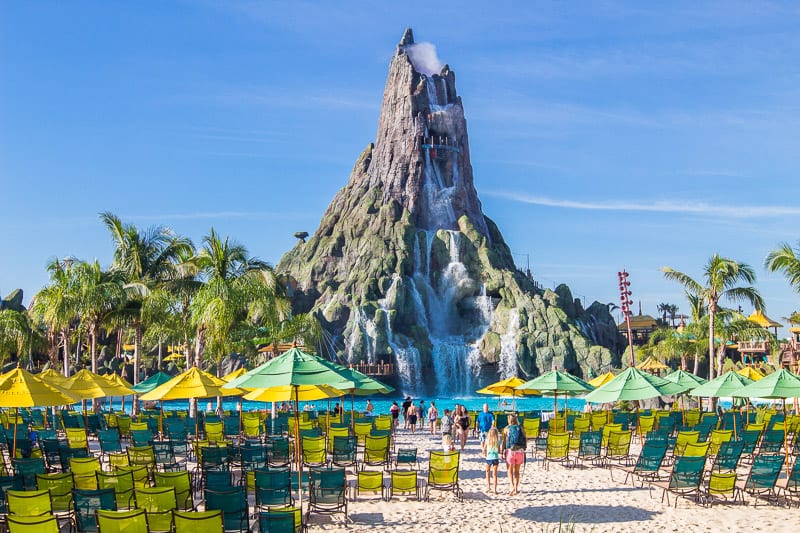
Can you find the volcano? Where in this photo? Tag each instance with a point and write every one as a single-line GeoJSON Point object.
{"type": "Point", "coordinates": [406, 269]}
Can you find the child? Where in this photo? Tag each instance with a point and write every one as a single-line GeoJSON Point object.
{"type": "Point", "coordinates": [447, 443]}
{"type": "Point", "coordinates": [491, 451]}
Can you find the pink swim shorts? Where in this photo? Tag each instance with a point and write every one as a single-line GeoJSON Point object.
{"type": "Point", "coordinates": [515, 457]}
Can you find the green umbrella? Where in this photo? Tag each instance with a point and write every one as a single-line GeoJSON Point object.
{"type": "Point", "coordinates": [632, 384]}
{"type": "Point", "coordinates": [555, 382]}
{"type": "Point", "coordinates": [687, 379]}
{"type": "Point", "coordinates": [364, 386]}
{"type": "Point", "coordinates": [728, 384]}
{"type": "Point", "coordinates": [778, 385]}
{"type": "Point", "coordinates": [151, 383]}
{"type": "Point", "coordinates": [681, 377]}
{"type": "Point", "coordinates": [294, 368]}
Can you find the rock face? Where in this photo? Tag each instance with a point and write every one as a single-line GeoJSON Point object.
{"type": "Point", "coordinates": [405, 268]}
{"type": "Point", "coordinates": [13, 301]}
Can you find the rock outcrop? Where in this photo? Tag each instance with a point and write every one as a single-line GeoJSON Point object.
{"type": "Point", "coordinates": [405, 268]}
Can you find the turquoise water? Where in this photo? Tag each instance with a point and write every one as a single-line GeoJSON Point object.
{"type": "Point", "coordinates": [383, 403]}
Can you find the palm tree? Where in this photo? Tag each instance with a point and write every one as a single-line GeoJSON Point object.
{"type": "Point", "coordinates": [233, 283]}
{"type": "Point", "coordinates": [99, 293]}
{"type": "Point", "coordinates": [721, 279]}
{"type": "Point", "coordinates": [146, 260]}
{"type": "Point", "coordinates": [786, 260]}
{"type": "Point", "coordinates": [56, 307]}
{"type": "Point", "coordinates": [17, 335]}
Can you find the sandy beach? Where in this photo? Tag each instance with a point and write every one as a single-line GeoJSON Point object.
{"type": "Point", "coordinates": [554, 499]}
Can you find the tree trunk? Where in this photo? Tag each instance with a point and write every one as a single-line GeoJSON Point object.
{"type": "Point", "coordinates": [200, 344]}
{"type": "Point", "coordinates": [712, 311]}
{"type": "Point", "coordinates": [696, 363]}
{"type": "Point", "coordinates": [720, 357]}
{"type": "Point", "coordinates": [93, 347]}
{"type": "Point", "coordinates": [137, 347]}
{"type": "Point", "coordinates": [65, 346]}
{"type": "Point", "coordinates": [683, 362]}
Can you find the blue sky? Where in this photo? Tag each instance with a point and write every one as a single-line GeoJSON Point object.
{"type": "Point", "coordinates": [603, 135]}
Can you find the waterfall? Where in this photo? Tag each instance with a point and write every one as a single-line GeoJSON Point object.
{"type": "Point", "coordinates": [409, 362]}
{"type": "Point", "coordinates": [508, 346]}
{"type": "Point", "coordinates": [366, 328]}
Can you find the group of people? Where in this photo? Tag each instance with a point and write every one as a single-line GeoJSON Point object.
{"type": "Point", "coordinates": [455, 426]}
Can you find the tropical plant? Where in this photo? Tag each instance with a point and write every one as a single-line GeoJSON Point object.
{"type": "Point", "coordinates": [785, 260]}
{"type": "Point", "coordinates": [146, 260]}
{"type": "Point", "coordinates": [233, 283]}
{"type": "Point", "coordinates": [721, 280]}
{"type": "Point", "coordinates": [17, 335]}
{"type": "Point", "coordinates": [56, 306]}
{"type": "Point", "coordinates": [98, 294]}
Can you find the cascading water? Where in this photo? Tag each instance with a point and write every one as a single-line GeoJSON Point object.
{"type": "Point", "coordinates": [365, 328]}
{"type": "Point", "coordinates": [508, 346]}
{"type": "Point", "coordinates": [409, 362]}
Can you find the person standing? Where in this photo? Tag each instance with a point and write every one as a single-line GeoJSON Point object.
{"type": "Point", "coordinates": [491, 451]}
{"type": "Point", "coordinates": [447, 429]}
{"type": "Point", "coordinates": [370, 407]}
{"type": "Point", "coordinates": [485, 422]}
{"type": "Point", "coordinates": [412, 417]}
{"type": "Point", "coordinates": [514, 444]}
{"type": "Point", "coordinates": [406, 405]}
{"type": "Point", "coordinates": [463, 424]}
{"type": "Point", "coordinates": [433, 415]}
{"type": "Point", "coordinates": [395, 411]}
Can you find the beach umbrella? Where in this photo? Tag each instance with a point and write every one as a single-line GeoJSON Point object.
{"type": "Point", "coordinates": [301, 393]}
{"type": "Point", "coordinates": [632, 385]}
{"type": "Point", "coordinates": [728, 384]}
{"type": "Point", "coordinates": [750, 373]}
{"type": "Point", "coordinates": [364, 385]}
{"type": "Point", "coordinates": [51, 376]}
{"type": "Point", "coordinates": [193, 383]}
{"type": "Point", "coordinates": [681, 377]}
{"type": "Point", "coordinates": [151, 383]}
{"type": "Point", "coordinates": [20, 388]}
{"type": "Point", "coordinates": [601, 380]}
{"type": "Point", "coordinates": [86, 385]}
{"type": "Point", "coordinates": [230, 376]}
{"type": "Point", "coordinates": [778, 385]}
{"type": "Point", "coordinates": [117, 380]}
{"type": "Point", "coordinates": [295, 368]}
{"type": "Point", "coordinates": [175, 357]}
{"type": "Point", "coordinates": [555, 382]}
{"type": "Point", "coordinates": [507, 387]}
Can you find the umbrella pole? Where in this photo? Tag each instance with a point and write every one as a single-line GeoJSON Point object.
{"type": "Point", "coordinates": [161, 418]}
{"type": "Point", "coordinates": [297, 449]}
{"type": "Point", "coordinates": [785, 437]}
{"type": "Point", "coordinates": [14, 448]}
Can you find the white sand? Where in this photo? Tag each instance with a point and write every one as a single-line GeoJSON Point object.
{"type": "Point", "coordinates": [586, 499]}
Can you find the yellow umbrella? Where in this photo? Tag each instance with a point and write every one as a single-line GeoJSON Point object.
{"type": "Point", "coordinates": [301, 393]}
{"type": "Point", "coordinates": [601, 380]}
{"type": "Point", "coordinates": [505, 387]}
{"type": "Point", "coordinates": [51, 376]}
{"type": "Point", "coordinates": [175, 357]}
{"type": "Point", "coordinates": [750, 373]}
{"type": "Point", "coordinates": [119, 381]}
{"type": "Point", "coordinates": [20, 388]}
{"type": "Point", "coordinates": [651, 364]}
{"type": "Point", "coordinates": [87, 385]}
{"type": "Point", "coordinates": [235, 374]}
{"type": "Point", "coordinates": [194, 383]}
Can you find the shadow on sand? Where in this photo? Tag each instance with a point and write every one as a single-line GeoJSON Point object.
{"type": "Point", "coordinates": [584, 514]}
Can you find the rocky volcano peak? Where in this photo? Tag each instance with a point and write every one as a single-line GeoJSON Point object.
{"type": "Point", "coordinates": [421, 155]}
{"type": "Point", "coordinates": [405, 269]}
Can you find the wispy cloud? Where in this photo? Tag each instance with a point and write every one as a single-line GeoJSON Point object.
{"type": "Point", "coordinates": [658, 206]}
{"type": "Point", "coordinates": [205, 215]}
